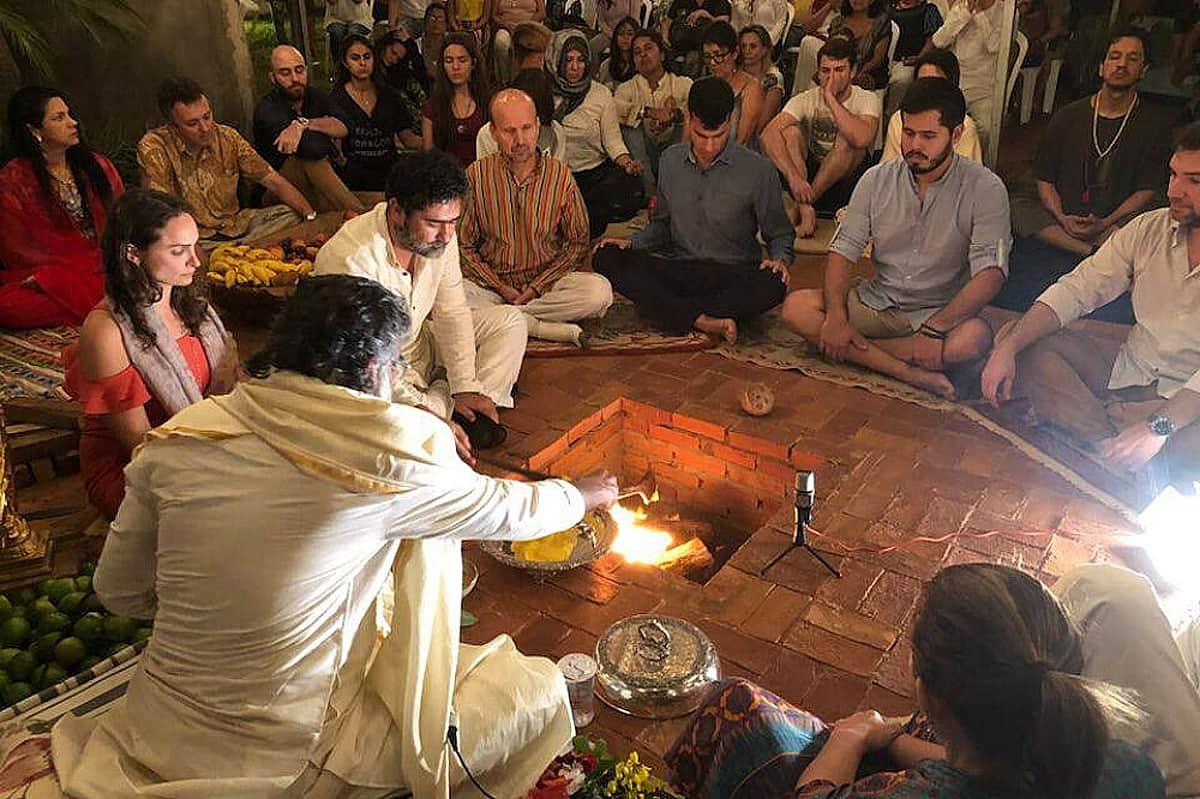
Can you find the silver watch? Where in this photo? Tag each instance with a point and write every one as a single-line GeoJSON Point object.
{"type": "Point", "coordinates": [1160, 425]}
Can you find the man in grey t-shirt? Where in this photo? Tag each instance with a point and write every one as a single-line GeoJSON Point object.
{"type": "Point", "coordinates": [939, 228]}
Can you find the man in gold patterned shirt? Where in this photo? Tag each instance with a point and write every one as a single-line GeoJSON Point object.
{"type": "Point", "coordinates": [195, 158]}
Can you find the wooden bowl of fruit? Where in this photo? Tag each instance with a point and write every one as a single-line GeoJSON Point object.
{"type": "Point", "coordinates": [250, 282]}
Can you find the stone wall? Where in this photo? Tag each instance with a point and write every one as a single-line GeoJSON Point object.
{"type": "Point", "coordinates": [112, 84]}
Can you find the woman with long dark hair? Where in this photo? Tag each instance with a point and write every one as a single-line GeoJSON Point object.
{"type": "Point", "coordinates": [458, 107]}
{"type": "Point", "coordinates": [374, 116]}
{"type": "Point", "coordinates": [152, 347]}
{"type": "Point", "coordinates": [997, 664]}
{"type": "Point", "coordinates": [618, 67]}
{"type": "Point", "coordinates": [754, 57]}
{"type": "Point", "coordinates": [720, 48]}
{"type": "Point", "coordinates": [55, 195]}
{"type": "Point", "coordinates": [402, 67]}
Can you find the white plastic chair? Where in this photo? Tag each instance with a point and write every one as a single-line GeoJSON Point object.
{"type": "Point", "coordinates": [1029, 77]}
{"type": "Point", "coordinates": [882, 93]}
{"type": "Point", "coordinates": [646, 13]}
{"type": "Point", "coordinates": [1022, 43]}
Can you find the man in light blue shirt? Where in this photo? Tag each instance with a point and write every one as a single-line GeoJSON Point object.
{"type": "Point", "coordinates": [698, 264]}
{"type": "Point", "coordinates": [939, 229]}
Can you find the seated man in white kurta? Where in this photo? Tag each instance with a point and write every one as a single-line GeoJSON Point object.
{"type": "Point", "coordinates": [259, 530]}
{"type": "Point", "coordinates": [408, 244]}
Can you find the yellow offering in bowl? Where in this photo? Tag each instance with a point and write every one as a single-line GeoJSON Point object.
{"type": "Point", "coordinates": [553, 548]}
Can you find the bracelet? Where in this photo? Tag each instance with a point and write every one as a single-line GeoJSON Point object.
{"type": "Point", "coordinates": [931, 332]}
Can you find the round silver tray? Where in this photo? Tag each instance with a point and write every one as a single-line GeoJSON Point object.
{"type": "Point", "coordinates": [655, 667]}
{"type": "Point", "coordinates": [594, 542]}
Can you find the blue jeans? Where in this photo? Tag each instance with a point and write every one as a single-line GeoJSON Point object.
{"type": "Point", "coordinates": [644, 149]}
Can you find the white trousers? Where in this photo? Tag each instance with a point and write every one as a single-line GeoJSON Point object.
{"type": "Point", "coordinates": [1127, 641]}
{"type": "Point", "coordinates": [576, 295]}
{"type": "Point", "coordinates": [502, 55]}
{"type": "Point", "coordinates": [500, 336]}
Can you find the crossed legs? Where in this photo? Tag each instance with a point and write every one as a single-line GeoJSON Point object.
{"type": "Point", "coordinates": [839, 164]}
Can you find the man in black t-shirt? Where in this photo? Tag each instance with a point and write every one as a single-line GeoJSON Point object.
{"type": "Point", "coordinates": [1102, 159]}
{"type": "Point", "coordinates": [294, 129]}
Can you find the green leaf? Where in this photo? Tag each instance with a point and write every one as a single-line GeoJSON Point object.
{"type": "Point", "coordinates": [93, 16]}
{"type": "Point", "coordinates": [468, 619]}
{"type": "Point", "coordinates": [25, 40]}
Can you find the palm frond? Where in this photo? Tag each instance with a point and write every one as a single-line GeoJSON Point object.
{"type": "Point", "coordinates": [97, 16]}
{"type": "Point", "coordinates": [25, 40]}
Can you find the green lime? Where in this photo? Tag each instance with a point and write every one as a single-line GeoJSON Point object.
{"type": "Point", "coordinates": [44, 587]}
{"type": "Point", "coordinates": [41, 606]}
{"type": "Point", "coordinates": [87, 568]}
{"type": "Point", "coordinates": [119, 646]}
{"type": "Point", "coordinates": [6, 656]}
{"type": "Point", "coordinates": [21, 666]}
{"type": "Point", "coordinates": [93, 604]}
{"type": "Point", "coordinates": [4, 681]}
{"type": "Point", "coordinates": [14, 631]}
{"type": "Point", "coordinates": [143, 634]}
{"type": "Point", "coordinates": [83, 583]}
{"type": "Point", "coordinates": [57, 589]}
{"type": "Point", "coordinates": [53, 675]}
{"type": "Point", "coordinates": [72, 603]}
{"type": "Point", "coordinates": [119, 628]}
{"type": "Point", "coordinates": [24, 596]}
{"type": "Point", "coordinates": [5, 607]}
{"type": "Point", "coordinates": [35, 677]}
{"type": "Point", "coordinates": [69, 651]}
{"type": "Point", "coordinates": [54, 622]}
{"type": "Point", "coordinates": [87, 629]}
{"type": "Point", "coordinates": [43, 648]}
{"type": "Point", "coordinates": [16, 691]}
{"type": "Point", "coordinates": [87, 663]}
{"type": "Point", "coordinates": [21, 612]}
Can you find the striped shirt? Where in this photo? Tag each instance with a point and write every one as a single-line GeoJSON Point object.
{"type": "Point", "coordinates": [522, 235]}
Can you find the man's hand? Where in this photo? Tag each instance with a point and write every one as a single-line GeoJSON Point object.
{"type": "Point", "coordinates": [630, 166]}
{"type": "Point", "coordinates": [928, 352]}
{"type": "Point", "coordinates": [827, 94]}
{"type": "Point", "coordinates": [779, 268]}
{"type": "Point", "coordinates": [837, 336]}
{"type": "Point", "coordinates": [599, 490]}
{"type": "Point", "coordinates": [802, 190]}
{"type": "Point", "coordinates": [1132, 448]}
{"type": "Point", "coordinates": [470, 403]}
{"type": "Point", "coordinates": [868, 729]}
{"type": "Point", "coordinates": [509, 294]}
{"type": "Point", "coordinates": [525, 297]}
{"type": "Point", "coordinates": [659, 114]}
{"type": "Point", "coordinates": [288, 141]}
{"type": "Point", "coordinates": [462, 443]}
{"type": "Point", "coordinates": [999, 373]}
{"type": "Point", "coordinates": [623, 244]}
{"type": "Point", "coordinates": [1077, 226]}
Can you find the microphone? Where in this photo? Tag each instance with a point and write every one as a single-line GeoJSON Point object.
{"type": "Point", "coordinates": [806, 486]}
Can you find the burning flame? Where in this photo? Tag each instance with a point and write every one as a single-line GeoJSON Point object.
{"type": "Point", "coordinates": [635, 541]}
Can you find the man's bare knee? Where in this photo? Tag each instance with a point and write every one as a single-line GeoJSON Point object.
{"type": "Point", "coordinates": [970, 340]}
{"type": "Point", "coordinates": [804, 310]}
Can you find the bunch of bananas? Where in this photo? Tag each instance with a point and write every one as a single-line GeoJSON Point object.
{"type": "Point", "coordinates": [241, 264]}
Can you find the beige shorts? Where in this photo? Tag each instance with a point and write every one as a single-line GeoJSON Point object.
{"type": "Point", "coordinates": [888, 323]}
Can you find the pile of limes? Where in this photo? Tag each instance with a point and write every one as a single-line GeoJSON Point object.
{"type": "Point", "coordinates": [55, 630]}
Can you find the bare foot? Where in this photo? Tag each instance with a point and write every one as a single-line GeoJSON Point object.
{"type": "Point", "coordinates": [724, 329]}
{"type": "Point", "coordinates": [806, 224]}
{"type": "Point", "coordinates": [933, 382]}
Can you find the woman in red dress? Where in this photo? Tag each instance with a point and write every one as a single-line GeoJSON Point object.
{"type": "Point", "coordinates": [152, 347]}
{"type": "Point", "coordinates": [54, 198]}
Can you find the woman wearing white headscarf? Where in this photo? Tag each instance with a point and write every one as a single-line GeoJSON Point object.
{"type": "Point", "coordinates": [606, 174]}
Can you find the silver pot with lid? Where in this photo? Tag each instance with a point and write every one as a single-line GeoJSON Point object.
{"type": "Point", "coordinates": [655, 666]}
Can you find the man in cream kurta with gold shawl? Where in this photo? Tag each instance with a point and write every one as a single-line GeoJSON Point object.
{"type": "Point", "coordinates": [258, 530]}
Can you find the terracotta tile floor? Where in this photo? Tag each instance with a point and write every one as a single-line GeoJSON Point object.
{"type": "Point", "coordinates": [886, 471]}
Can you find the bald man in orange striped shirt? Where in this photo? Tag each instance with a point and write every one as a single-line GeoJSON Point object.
{"type": "Point", "coordinates": [524, 231]}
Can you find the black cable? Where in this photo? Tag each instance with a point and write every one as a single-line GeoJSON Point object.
{"type": "Point", "coordinates": [452, 737]}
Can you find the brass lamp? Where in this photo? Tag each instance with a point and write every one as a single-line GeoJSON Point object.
{"type": "Point", "coordinates": [25, 552]}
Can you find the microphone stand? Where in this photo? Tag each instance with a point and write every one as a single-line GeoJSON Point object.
{"type": "Point", "coordinates": [803, 513]}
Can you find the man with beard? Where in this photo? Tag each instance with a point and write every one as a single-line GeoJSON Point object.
{"type": "Point", "coordinates": [524, 230]}
{"type": "Point", "coordinates": [938, 224]}
{"type": "Point", "coordinates": [1139, 400]}
{"type": "Point", "coordinates": [294, 129]}
{"type": "Point", "coordinates": [462, 364]}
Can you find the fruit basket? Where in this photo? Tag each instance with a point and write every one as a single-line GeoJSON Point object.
{"type": "Point", "coordinates": [58, 631]}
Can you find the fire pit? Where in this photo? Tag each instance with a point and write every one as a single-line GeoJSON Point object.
{"type": "Point", "coordinates": [714, 487]}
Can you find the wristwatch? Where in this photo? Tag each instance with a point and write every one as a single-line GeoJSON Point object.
{"type": "Point", "coordinates": [1160, 425]}
{"type": "Point", "coordinates": [310, 216]}
{"type": "Point", "coordinates": [303, 121]}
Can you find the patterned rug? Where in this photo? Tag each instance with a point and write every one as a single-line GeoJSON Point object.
{"type": "Point", "coordinates": [620, 332]}
{"type": "Point", "coordinates": [29, 362]}
{"type": "Point", "coordinates": [768, 342]}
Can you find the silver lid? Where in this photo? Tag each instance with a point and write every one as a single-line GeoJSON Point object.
{"type": "Point", "coordinates": [655, 666]}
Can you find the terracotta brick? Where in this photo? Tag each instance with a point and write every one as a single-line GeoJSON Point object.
{"type": "Point", "coordinates": [576, 641]}
{"type": "Point", "coordinates": [587, 584]}
{"type": "Point", "coordinates": [801, 458]}
{"type": "Point", "coordinates": [835, 695]}
{"type": "Point", "coordinates": [887, 703]}
{"type": "Point", "coordinates": [658, 736]}
{"type": "Point", "coordinates": [891, 598]}
{"type": "Point", "coordinates": [1003, 499]}
{"type": "Point", "coordinates": [541, 635]}
{"type": "Point", "coordinates": [733, 646]}
{"type": "Point", "coordinates": [854, 585]}
{"type": "Point", "coordinates": [759, 481]}
{"type": "Point", "coordinates": [776, 614]}
{"type": "Point", "coordinates": [845, 424]}
{"type": "Point", "coordinates": [781, 471]}
{"type": "Point", "coordinates": [943, 516]}
{"type": "Point", "coordinates": [791, 676]}
{"type": "Point", "coordinates": [595, 619]}
{"type": "Point", "coordinates": [668, 474]}
{"type": "Point", "coordinates": [710, 430]}
{"type": "Point", "coordinates": [678, 438]}
{"type": "Point", "coordinates": [730, 455]}
{"type": "Point", "coordinates": [733, 596]}
{"type": "Point", "coordinates": [895, 673]}
{"type": "Point", "coordinates": [645, 412]}
{"type": "Point", "coordinates": [703, 465]}
{"type": "Point", "coordinates": [833, 650]}
{"type": "Point", "coordinates": [848, 624]}
{"type": "Point", "coordinates": [1065, 554]}
{"type": "Point", "coordinates": [761, 547]}
{"type": "Point", "coordinates": [554, 448]}
{"type": "Point", "coordinates": [759, 446]}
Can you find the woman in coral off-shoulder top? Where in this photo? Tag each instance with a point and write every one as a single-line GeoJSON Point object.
{"type": "Point", "coordinates": [54, 197]}
{"type": "Point", "coordinates": [152, 347]}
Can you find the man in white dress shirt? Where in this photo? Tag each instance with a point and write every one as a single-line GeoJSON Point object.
{"type": "Point", "coordinates": [461, 361]}
{"type": "Point", "coordinates": [259, 531]}
{"type": "Point", "coordinates": [1139, 400]}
